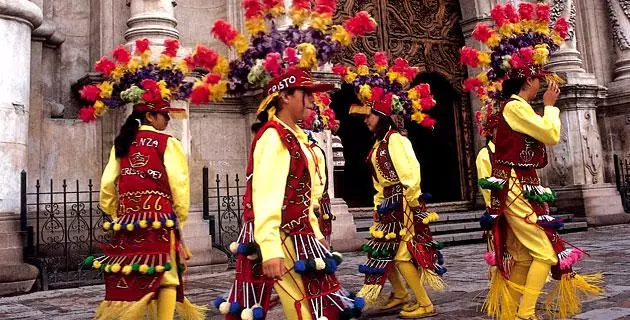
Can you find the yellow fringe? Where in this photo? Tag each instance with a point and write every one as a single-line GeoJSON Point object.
{"type": "Point", "coordinates": [430, 278]}
{"type": "Point", "coordinates": [370, 292]}
{"type": "Point", "coordinates": [134, 310]}
{"type": "Point", "coordinates": [565, 300]}
{"type": "Point", "coordinates": [189, 311]}
{"type": "Point", "coordinates": [499, 303]}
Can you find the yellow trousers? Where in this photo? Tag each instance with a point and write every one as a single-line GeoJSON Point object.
{"type": "Point", "coordinates": [411, 275]}
{"type": "Point", "coordinates": [290, 288]}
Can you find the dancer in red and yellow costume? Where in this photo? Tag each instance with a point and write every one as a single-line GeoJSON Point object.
{"type": "Point", "coordinates": [523, 244]}
{"type": "Point", "coordinates": [281, 246]}
{"type": "Point", "coordinates": [401, 238]}
{"type": "Point", "coordinates": [145, 186]}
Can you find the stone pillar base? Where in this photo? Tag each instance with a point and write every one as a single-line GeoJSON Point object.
{"type": "Point", "coordinates": [599, 204]}
{"type": "Point", "coordinates": [344, 236]}
{"type": "Point", "coordinates": [16, 277]}
{"type": "Point", "coordinates": [199, 241]}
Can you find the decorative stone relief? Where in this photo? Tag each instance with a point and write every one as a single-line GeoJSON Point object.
{"type": "Point", "coordinates": [560, 157]}
{"type": "Point", "coordinates": [560, 8]}
{"type": "Point", "coordinates": [618, 33]}
{"type": "Point", "coordinates": [592, 161]}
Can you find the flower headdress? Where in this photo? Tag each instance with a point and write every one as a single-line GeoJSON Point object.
{"type": "Point", "coordinates": [151, 85]}
{"type": "Point", "coordinates": [309, 42]}
{"type": "Point", "coordinates": [321, 117]}
{"type": "Point", "coordinates": [384, 89]}
{"type": "Point", "coordinates": [517, 47]}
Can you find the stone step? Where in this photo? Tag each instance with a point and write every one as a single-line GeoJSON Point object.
{"type": "Point", "coordinates": [10, 240]}
{"type": "Point", "coordinates": [9, 223]}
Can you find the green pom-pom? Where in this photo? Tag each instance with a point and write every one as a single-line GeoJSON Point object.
{"type": "Point", "coordinates": [135, 267]}
{"type": "Point", "coordinates": [168, 266]}
{"type": "Point", "coordinates": [88, 261]}
{"type": "Point", "coordinates": [365, 248]}
{"type": "Point", "coordinates": [181, 268]}
{"type": "Point", "coordinates": [439, 245]}
{"type": "Point", "coordinates": [151, 271]}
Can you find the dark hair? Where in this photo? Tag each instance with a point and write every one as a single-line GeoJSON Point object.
{"type": "Point", "coordinates": [264, 116]}
{"type": "Point", "coordinates": [511, 87]}
{"type": "Point", "coordinates": [383, 126]}
{"type": "Point", "coordinates": [128, 133]}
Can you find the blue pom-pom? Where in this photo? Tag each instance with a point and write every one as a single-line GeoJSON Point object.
{"type": "Point", "coordinates": [149, 221]}
{"type": "Point", "coordinates": [235, 307]}
{"type": "Point", "coordinates": [427, 197]}
{"type": "Point", "coordinates": [486, 221]}
{"type": "Point", "coordinates": [163, 220]}
{"type": "Point", "coordinates": [331, 266]}
{"type": "Point", "coordinates": [440, 270]}
{"type": "Point", "coordinates": [440, 257]}
{"type": "Point", "coordinates": [300, 266]}
{"type": "Point", "coordinates": [218, 301]}
{"type": "Point", "coordinates": [359, 302]}
{"type": "Point", "coordinates": [242, 248]}
{"type": "Point", "coordinates": [136, 225]}
{"type": "Point", "coordinates": [363, 268]}
{"type": "Point", "coordinates": [258, 312]}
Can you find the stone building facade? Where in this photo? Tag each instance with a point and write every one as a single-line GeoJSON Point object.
{"type": "Point", "coordinates": [49, 45]}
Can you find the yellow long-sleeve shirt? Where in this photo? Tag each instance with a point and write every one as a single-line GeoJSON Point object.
{"type": "Point", "coordinates": [520, 116]}
{"type": "Point", "coordinates": [176, 166]}
{"type": "Point", "coordinates": [484, 169]}
{"type": "Point", "coordinates": [318, 185]}
{"type": "Point", "coordinates": [271, 167]}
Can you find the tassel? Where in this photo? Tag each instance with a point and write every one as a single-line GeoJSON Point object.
{"type": "Point", "coordinates": [565, 300]}
{"type": "Point", "coordinates": [189, 311]}
{"type": "Point", "coordinates": [499, 303]}
{"type": "Point", "coordinates": [136, 309]}
{"type": "Point", "coordinates": [431, 279]}
{"type": "Point", "coordinates": [370, 292]}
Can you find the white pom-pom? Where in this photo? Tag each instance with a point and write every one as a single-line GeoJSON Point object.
{"type": "Point", "coordinates": [252, 257]}
{"type": "Point", "coordinates": [322, 318]}
{"type": "Point", "coordinates": [338, 254]}
{"type": "Point", "coordinates": [247, 314]}
{"type": "Point", "coordinates": [234, 247]}
{"type": "Point", "coordinates": [224, 307]}
{"type": "Point", "coordinates": [320, 264]}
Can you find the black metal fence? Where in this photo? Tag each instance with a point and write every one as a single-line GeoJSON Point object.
{"type": "Point", "coordinates": [622, 180]}
{"type": "Point", "coordinates": [222, 207]}
{"type": "Point", "coordinates": [63, 226]}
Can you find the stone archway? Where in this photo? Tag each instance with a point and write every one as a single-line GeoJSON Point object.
{"type": "Point", "coordinates": [429, 35]}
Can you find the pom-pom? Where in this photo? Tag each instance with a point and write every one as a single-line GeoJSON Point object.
{"type": "Point", "coordinates": [224, 307]}
{"type": "Point", "coordinates": [510, 13]}
{"type": "Point", "coordinates": [135, 267]}
{"type": "Point", "coordinates": [88, 261]}
{"type": "Point", "coordinates": [142, 45]}
{"type": "Point", "coordinates": [167, 266]}
{"type": "Point", "coordinates": [107, 225]}
{"type": "Point", "coordinates": [482, 32]}
{"type": "Point", "coordinates": [96, 264]}
{"type": "Point", "coordinates": [107, 268]}
{"type": "Point", "coordinates": [498, 15]}
{"type": "Point", "coordinates": [144, 268]}
{"type": "Point", "coordinates": [224, 32]}
{"type": "Point", "coordinates": [247, 314]}
{"type": "Point", "coordinates": [143, 224]}
{"type": "Point", "coordinates": [235, 307]}
{"type": "Point", "coordinates": [272, 64]}
{"type": "Point", "coordinates": [543, 12]}
{"type": "Point", "coordinates": [340, 70]}
{"type": "Point", "coordinates": [360, 59]}
{"type": "Point", "coordinates": [380, 60]}
{"type": "Point", "coordinates": [105, 66]}
{"type": "Point", "coordinates": [258, 312]}
{"type": "Point", "coordinates": [562, 27]}
{"type": "Point", "coordinates": [90, 92]}
{"type": "Point", "coordinates": [129, 227]}
{"type": "Point", "coordinates": [469, 57]}
{"type": "Point", "coordinates": [121, 54]}
{"type": "Point", "coordinates": [361, 24]}
{"type": "Point", "coordinates": [115, 268]}
{"type": "Point", "coordinates": [151, 271]}
{"type": "Point", "coordinates": [169, 223]}
{"type": "Point", "coordinates": [300, 266]}
{"type": "Point", "coordinates": [200, 94]}
{"type": "Point", "coordinates": [359, 302]}
{"type": "Point", "coordinates": [218, 301]}
{"type": "Point", "coordinates": [117, 227]}
{"type": "Point", "coordinates": [156, 224]}
{"type": "Point", "coordinates": [290, 56]}
{"type": "Point", "coordinates": [234, 247]}
{"type": "Point", "coordinates": [331, 266]}
{"type": "Point", "coordinates": [490, 258]}
{"type": "Point", "coordinates": [319, 264]}
{"type": "Point", "coordinates": [159, 268]}
{"type": "Point", "coordinates": [126, 270]}
{"type": "Point", "coordinates": [526, 10]}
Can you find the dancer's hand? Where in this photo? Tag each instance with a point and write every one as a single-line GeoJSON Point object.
{"type": "Point", "coordinates": [274, 268]}
{"type": "Point", "coordinates": [551, 95]}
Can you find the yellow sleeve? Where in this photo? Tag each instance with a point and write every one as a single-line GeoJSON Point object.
{"type": "Point", "coordinates": [108, 199]}
{"type": "Point", "coordinates": [484, 170]}
{"type": "Point", "coordinates": [317, 191]}
{"type": "Point", "coordinates": [176, 165]}
{"type": "Point", "coordinates": [378, 197]}
{"type": "Point", "coordinates": [407, 167]}
{"type": "Point", "coordinates": [271, 167]}
{"type": "Point", "coordinates": [522, 118]}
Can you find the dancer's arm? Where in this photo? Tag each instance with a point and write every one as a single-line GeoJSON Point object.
{"type": "Point", "coordinates": [108, 199]}
{"type": "Point", "coordinates": [176, 164]}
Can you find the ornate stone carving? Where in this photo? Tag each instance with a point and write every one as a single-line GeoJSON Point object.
{"type": "Point", "coordinates": [618, 33]}
{"type": "Point", "coordinates": [560, 157]}
{"type": "Point", "coordinates": [560, 8]}
{"type": "Point", "coordinates": [591, 140]}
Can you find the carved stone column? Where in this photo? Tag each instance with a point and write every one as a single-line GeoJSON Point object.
{"type": "Point", "coordinates": [567, 59]}
{"type": "Point", "coordinates": [152, 19]}
{"type": "Point", "coordinates": [619, 18]}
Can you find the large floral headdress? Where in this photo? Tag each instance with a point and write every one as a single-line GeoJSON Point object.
{"type": "Point", "coordinates": [151, 85]}
{"type": "Point", "coordinates": [308, 43]}
{"type": "Point", "coordinates": [385, 89]}
{"type": "Point", "coordinates": [518, 46]}
{"type": "Point", "coordinates": [321, 117]}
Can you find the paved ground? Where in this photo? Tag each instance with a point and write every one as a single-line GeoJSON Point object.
{"type": "Point", "coordinates": [609, 249]}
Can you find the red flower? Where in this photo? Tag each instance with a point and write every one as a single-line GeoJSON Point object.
{"type": "Point", "coordinates": [543, 11]}
{"type": "Point", "coordinates": [205, 57]}
{"type": "Point", "coordinates": [151, 90]}
{"type": "Point", "coordinates": [301, 4]}
{"type": "Point", "coordinates": [562, 27]}
{"type": "Point", "coordinates": [377, 93]}
{"type": "Point", "coordinates": [86, 114]}
{"type": "Point", "coordinates": [340, 70]}
{"type": "Point", "coordinates": [268, 4]}
{"type": "Point", "coordinates": [272, 64]}
{"type": "Point", "coordinates": [428, 122]}
{"type": "Point", "coordinates": [510, 13]}
{"type": "Point", "coordinates": [498, 15]}
{"type": "Point", "coordinates": [523, 58]}
{"type": "Point", "coordinates": [427, 103]}
{"type": "Point", "coordinates": [360, 59]}
{"type": "Point", "coordinates": [400, 65]}
{"type": "Point", "coordinates": [325, 6]}
{"type": "Point", "coordinates": [380, 58]}
{"type": "Point", "coordinates": [224, 32]}
{"type": "Point", "coordinates": [253, 8]}
{"type": "Point", "coordinates": [142, 45]}
{"type": "Point", "coordinates": [423, 89]}
{"type": "Point", "coordinates": [360, 24]}
{"type": "Point", "coordinates": [170, 47]}
{"type": "Point", "coordinates": [190, 61]}
{"type": "Point", "coordinates": [200, 94]}
{"type": "Point", "coordinates": [90, 92]}
{"type": "Point", "coordinates": [307, 122]}
{"type": "Point", "coordinates": [480, 91]}
{"type": "Point", "coordinates": [469, 57]}
{"type": "Point", "coordinates": [482, 32]}
{"type": "Point", "coordinates": [105, 66]}
{"type": "Point", "coordinates": [324, 97]}
{"type": "Point", "coordinates": [410, 72]}
{"type": "Point", "coordinates": [526, 10]}
{"type": "Point", "coordinates": [471, 83]}
{"type": "Point", "coordinates": [121, 54]}
{"type": "Point", "coordinates": [212, 78]}
{"type": "Point", "coordinates": [290, 56]}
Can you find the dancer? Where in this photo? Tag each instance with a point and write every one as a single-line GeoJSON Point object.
{"type": "Point", "coordinates": [401, 238]}
{"type": "Point", "coordinates": [524, 245]}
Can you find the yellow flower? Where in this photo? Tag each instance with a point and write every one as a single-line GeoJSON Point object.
{"type": "Point", "coordinates": [240, 44]}
{"type": "Point", "coordinates": [484, 58]}
{"type": "Point", "coordinates": [541, 54]}
{"type": "Point", "coordinates": [218, 91]}
{"type": "Point", "coordinates": [99, 108]}
{"type": "Point", "coordinates": [277, 10]}
{"type": "Point", "coordinates": [309, 58]}
{"type": "Point", "coordinates": [483, 77]}
{"type": "Point", "coordinates": [146, 57]}
{"type": "Point", "coordinates": [506, 30]}
{"type": "Point", "coordinates": [416, 104]}
{"type": "Point", "coordinates": [183, 67]}
{"type": "Point", "coordinates": [341, 35]}
{"type": "Point", "coordinates": [557, 39]}
{"type": "Point", "coordinates": [255, 25]}
{"type": "Point", "coordinates": [165, 92]}
{"type": "Point", "coordinates": [517, 28]}
{"type": "Point", "coordinates": [402, 79]}
{"type": "Point", "coordinates": [298, 16]}
{"type": "Point", "coordinates": [222, 66]}
{"type": "Point", "coordinates": [165, 62]}
{"type": "Point", "coordinates": [494, 40]}
{"type": "Point", "coordinates": [363, 70]}
{"type": "Point", "coordinates": [106, 89]}
{"type": "Point", "coordinates": [365, 92]}
{"type": "Point", "coordinates": [542, 27]}
{"type": "Point", "coordinates": [417, 117]}
{"type": "Point", "coordinates": [134, 64]}
{"type": "Point", "coordinates": [528, 25]}
{"type": "Point", "coordinates": [412, 94]}
{"type": "Point", "coordinates": [320, 21]}
{"type": "Point", "coordinates": [392, 76]}
{"type": "Point", "coordinates": [350, 76]}
{"type": "Point", "coordinates": [118, 72]}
